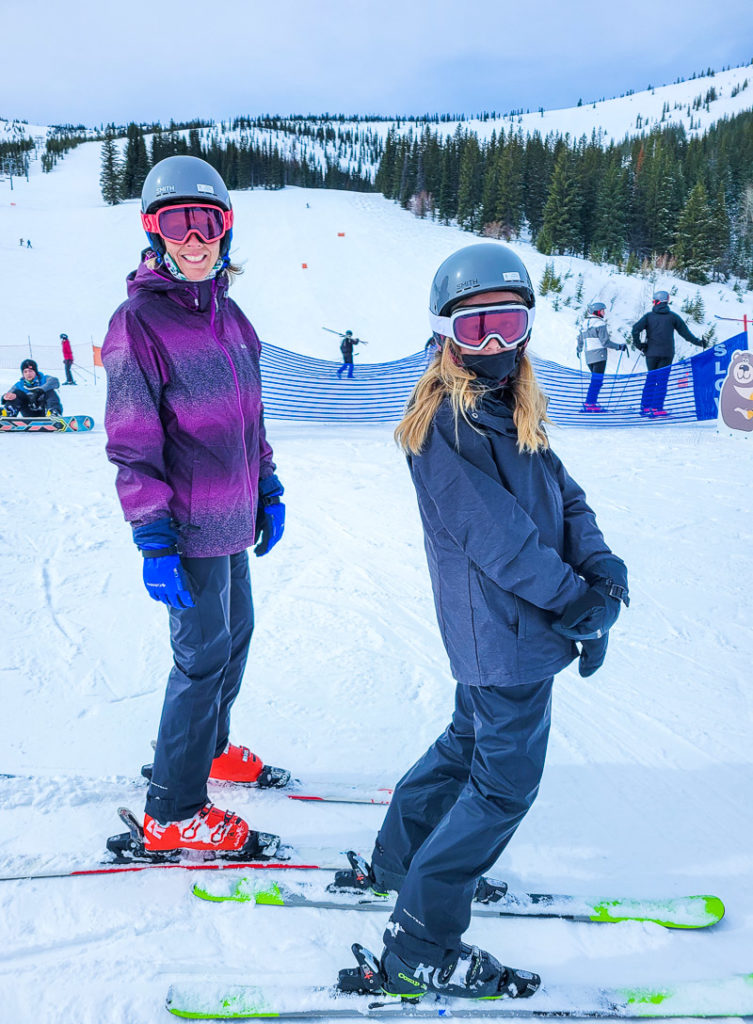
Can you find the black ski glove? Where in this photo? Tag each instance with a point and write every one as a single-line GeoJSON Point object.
{"type": "Point", "coordinates": [592, 655]}
{"type": "Point", "coordinates": [589, 617]}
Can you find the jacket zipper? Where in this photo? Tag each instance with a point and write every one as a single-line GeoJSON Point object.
{"type": "Point", "coordinates": [237, 386]}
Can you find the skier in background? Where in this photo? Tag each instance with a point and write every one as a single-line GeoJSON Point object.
{"type": "Point", "coordinates": [28, 243]}
{"type": "Point", "coordinates": [594, 337]}
{"type": "Point", "coordinates": [660, 324]}
{"type": "Point", "coordinates": [520, 573]}
{"type": "Point", "coordinates": [197, 483]}
{"type": "Point", "coordinates": [67, 359]}
{"type": "Point", "coordinates": [35, 394]}
{"type": "Point", "coordinates": [346, 347]}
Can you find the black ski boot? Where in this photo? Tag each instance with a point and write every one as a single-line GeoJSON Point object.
{"type": "Point", "coordinates": [473, 974]}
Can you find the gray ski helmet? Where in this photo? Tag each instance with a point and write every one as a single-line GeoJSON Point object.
{"type": "Point", "coordinates": [178, 179]}
{"type": "Point", "coordinates": [596, 309]}
{"type": "Point", "coordinates": [661, 296]}
{"type": "Point", "coordinates": [483, 267]}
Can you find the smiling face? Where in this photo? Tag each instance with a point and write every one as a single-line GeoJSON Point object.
{"type": "Point", "coordinates": [492, 346]}
{"type": "Point", "coordinates": [194, 257]}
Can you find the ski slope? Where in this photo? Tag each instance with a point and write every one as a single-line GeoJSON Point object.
{"type": "Point", "coordinates": [646, 790]}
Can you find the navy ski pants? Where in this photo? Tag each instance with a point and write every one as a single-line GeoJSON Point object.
{"type": "Point", "coordinates": [655, 388]}
{"type": "Point", "coordinates": [210, 645]}
{"type": "Point", "coordinates": [456, 810]}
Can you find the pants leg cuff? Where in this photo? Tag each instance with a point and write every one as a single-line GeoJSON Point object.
{"type": "Point", "coordinates": [415, 951]}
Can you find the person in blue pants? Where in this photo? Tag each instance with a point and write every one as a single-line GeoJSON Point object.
{"type": "Point", "coordinates": [521, 575]}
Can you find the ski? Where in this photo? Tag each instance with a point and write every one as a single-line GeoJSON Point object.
{"type": "Point", "coordinates": [731, 996]}
{"type": "Point", "coordinates": [46, 424]}
{"type": "Point", "coordinates": [677, 912]}
{"type": "Point", "coordinates": [287, 858]}
{"type": "Point", "coordinates": [126, 852]}
{"type": "Point", "coordinates": [313, 790]}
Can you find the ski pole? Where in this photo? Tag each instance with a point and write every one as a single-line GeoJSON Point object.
{"type": "Point", "coordinates": [338, 333]}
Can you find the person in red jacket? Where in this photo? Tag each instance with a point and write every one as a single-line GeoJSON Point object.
{"type": "Point", "coordinates": [67, 359]}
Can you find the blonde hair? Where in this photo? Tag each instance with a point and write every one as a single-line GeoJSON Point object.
{"type": "Point", "coordinates": [446, 377]}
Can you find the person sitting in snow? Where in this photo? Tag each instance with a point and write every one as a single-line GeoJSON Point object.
{"type": "Point", "coordinates": [594, 337]}
{"type": "Point", "coordinates": [35, 394]}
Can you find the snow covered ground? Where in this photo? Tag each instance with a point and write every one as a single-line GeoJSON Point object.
{"type": "Point", "coordinates": [648, 781]}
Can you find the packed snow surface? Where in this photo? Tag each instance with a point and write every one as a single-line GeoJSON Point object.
{"type": "Point", "coordinates": [648, 781]}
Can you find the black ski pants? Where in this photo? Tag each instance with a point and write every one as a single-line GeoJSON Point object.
{"type": "Point", "coordinates": [210, 645]}
{"type": "Point", "coordinates": [455, 811]}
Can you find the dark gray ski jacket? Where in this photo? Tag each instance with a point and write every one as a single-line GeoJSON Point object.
{"type": "Point", "coordinates": [509, 540]}
{"type": "Point", "coordinates": [660, 325]}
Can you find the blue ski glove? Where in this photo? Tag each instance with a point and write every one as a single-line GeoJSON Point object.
{"type": "Point", "coordinates": [164, 577]}
{"type": "Point", "coordinates": [270, 515]}
{"type": "Point", "coordinates": [165, 580]}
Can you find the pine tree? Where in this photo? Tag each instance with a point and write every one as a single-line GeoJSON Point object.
{"type": "Point", "coordinates": [469, 184]}
{"type": "Point", "coordinates": [694, 249]}
{"type": "Point", "coordinates": [610, 226]}
{"type": "Point", "coordinates": [560, 231]}
{"type": "Point", "coordinates": [721, 235]}
{"type": "Point", "coordinates": [109, 178]}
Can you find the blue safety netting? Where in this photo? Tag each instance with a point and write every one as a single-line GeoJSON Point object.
{"type": "Point", "coordinates": [298, 387]}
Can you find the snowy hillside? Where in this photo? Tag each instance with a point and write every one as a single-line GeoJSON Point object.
{"type": "Point", "coordinates": [647, 784]}
{"type": "Point", "coordinates": [369, 267]}
{"type": "Point", "coordinates": [696, 104]}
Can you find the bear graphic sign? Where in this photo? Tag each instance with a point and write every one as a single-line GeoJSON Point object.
{"type": "Point", "coordinates": [736, 396]}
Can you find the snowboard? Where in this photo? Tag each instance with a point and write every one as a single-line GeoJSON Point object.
{"type": "Point", "coordinates": [46, 424]}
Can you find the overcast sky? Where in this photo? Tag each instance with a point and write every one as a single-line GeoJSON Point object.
{"type": "Point", "coordinates": [81, 61]}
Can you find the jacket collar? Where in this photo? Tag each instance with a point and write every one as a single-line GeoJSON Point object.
{"type": "Point", "coordinates": [196, 296]}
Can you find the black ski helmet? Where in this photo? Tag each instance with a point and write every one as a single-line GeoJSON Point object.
{"type": "Point", "coordinates": [64, 337]}
{"type": "Point", "coordinates": [348, 334]}
{"type": "Point", "coordinates": [30, 363]}
{"type": "Point", "coordinates": [483, 267]}
{"type": "Point", "coordinates": [178, 179]}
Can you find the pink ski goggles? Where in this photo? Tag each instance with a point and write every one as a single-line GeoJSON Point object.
{"type": "Point", "coordinates": [176, 223]}
{"type": "Point", "coordinates": [475, 326]}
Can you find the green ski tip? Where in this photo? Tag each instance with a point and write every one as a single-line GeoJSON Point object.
{"type": "Point", "coordinates": [689, 912]}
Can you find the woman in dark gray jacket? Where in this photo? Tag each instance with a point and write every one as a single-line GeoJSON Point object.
{"type": "Point", "coordinates": [520, 572]}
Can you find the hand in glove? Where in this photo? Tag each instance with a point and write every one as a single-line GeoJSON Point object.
{"type": "Point", "coordinates": [623, 348]}
{"type": "Point", "coordinates": [270, 515]}
{"type": "Point", "coordinates": [166, 581]}
{"type": "Point", "coordinates": [164, 577]}
{"type": "Point", "coordinates": [589, 617]}
{"type": "Point", "coordinates": [592, 655]}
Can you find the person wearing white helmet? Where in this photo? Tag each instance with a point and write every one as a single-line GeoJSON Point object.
{"type": "Point", "coordinates": [594, 338]}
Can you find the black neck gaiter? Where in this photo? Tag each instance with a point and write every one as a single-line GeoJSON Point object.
{"type": "Point", "coordinates": [492, 369]}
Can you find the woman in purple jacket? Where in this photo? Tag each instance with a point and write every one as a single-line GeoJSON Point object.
{"type": "Point", "coordinates": [197, 483]}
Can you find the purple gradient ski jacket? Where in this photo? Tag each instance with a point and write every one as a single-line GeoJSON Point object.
{"type": "Point", "coordinates": [184, 416]}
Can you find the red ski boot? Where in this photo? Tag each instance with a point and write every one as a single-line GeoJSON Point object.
{"type": "Point", "coordinates": [238, 764]}
{"type": "Point", "coordinates": [220, 834]}
{"type": "Point", "coordinates": [209, 829]}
